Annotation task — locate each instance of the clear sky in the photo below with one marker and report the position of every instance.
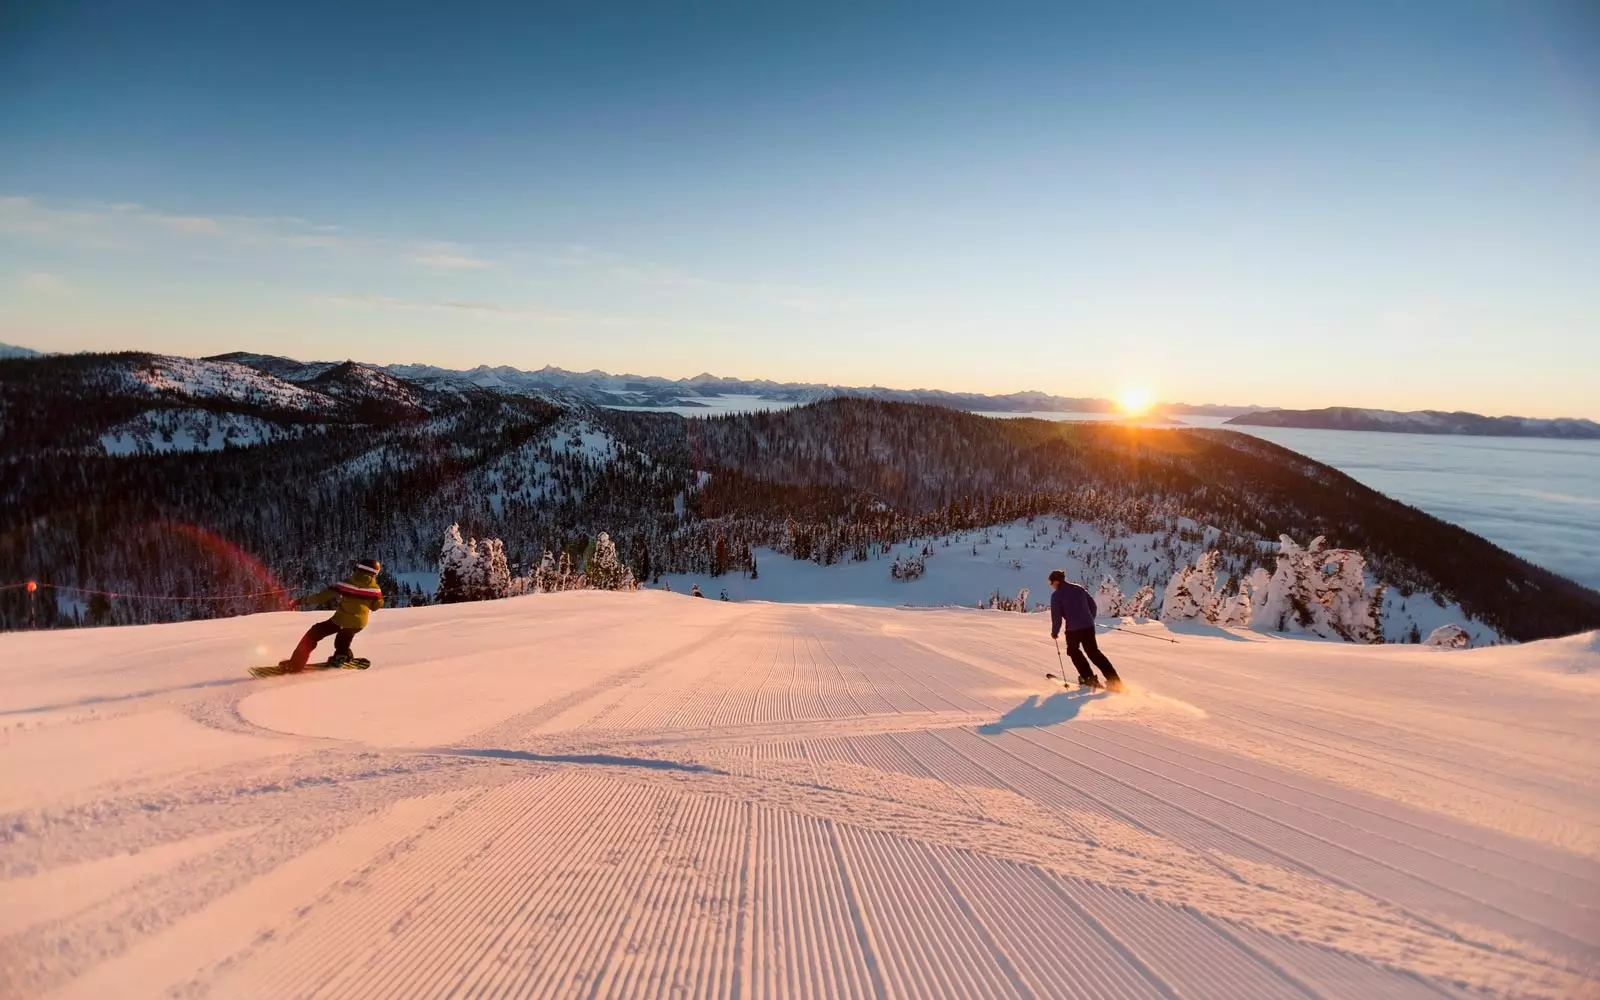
(1304, 204)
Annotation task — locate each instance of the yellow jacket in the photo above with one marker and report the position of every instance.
(358, 596)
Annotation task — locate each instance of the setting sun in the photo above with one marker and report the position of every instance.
(1134, 402)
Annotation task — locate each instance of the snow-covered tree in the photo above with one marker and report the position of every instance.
(1176, 604)
(604, 570)
(1290, 594)
(457, 567)
(544, 577)
(1237, 610)
(1192, 592)
(1108, 598)
(494, 574)
(1322, 592)
(1451, 636)
(1139, 605)
(1343, 593)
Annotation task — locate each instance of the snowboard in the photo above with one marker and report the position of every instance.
(278, 670)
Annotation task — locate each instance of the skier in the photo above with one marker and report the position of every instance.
(358, 596)
(694, 591)
(1074, 606)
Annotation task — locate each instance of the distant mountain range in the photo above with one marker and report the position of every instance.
(601, 388)
(329, 386)
(1345, 418)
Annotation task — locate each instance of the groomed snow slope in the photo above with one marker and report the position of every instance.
(639, 795)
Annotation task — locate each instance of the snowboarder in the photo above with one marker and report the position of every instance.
(1074, 606)
(358, 596)
(694, 591)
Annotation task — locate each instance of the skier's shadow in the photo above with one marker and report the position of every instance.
(1033, 713)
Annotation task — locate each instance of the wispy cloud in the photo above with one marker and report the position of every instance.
(44, 283)
(483, 310)
(498, 312)
(651, 273)
(451, 258)
(132, 227)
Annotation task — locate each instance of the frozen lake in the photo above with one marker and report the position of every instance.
(1536, 497)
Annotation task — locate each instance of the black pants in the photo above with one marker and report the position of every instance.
(1081, 641)
(319, 632)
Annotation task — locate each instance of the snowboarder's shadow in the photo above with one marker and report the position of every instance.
(1033, 713)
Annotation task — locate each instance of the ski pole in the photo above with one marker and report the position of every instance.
(1145, 635)
(1059, 661)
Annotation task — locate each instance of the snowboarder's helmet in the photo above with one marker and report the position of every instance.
(369, 566)
(1056, 576)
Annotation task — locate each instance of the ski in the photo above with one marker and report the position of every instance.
(279, 670)
(1080, 686)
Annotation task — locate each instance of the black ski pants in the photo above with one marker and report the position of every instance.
(1081, 641)
(317, 633)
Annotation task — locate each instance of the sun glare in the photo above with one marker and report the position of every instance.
(1134, 402)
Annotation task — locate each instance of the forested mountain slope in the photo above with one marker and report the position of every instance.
(117, 478)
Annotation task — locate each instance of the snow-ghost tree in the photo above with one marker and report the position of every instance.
(1108, 598)
(1138, 606)
(1288, 605)
(1192, 591)
(1237, 610)
(1176, 603)
(1353, 612)
(1321, 592)
(1451, 636)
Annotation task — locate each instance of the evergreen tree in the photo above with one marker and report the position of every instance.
(494, 574)
(457, 568)
(604, 570)
(1108, 598)
(1139, 605)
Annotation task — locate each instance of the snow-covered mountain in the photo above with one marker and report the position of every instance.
(645, 795)
(13, 351)
(1345, 418)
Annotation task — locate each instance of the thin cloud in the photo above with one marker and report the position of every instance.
(451, 260)
(650, 273)
(496, 312)
(486, 310)
(129, 226)
(44, 283)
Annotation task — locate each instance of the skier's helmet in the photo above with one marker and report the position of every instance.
(372, 566)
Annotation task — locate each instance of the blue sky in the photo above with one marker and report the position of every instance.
(1371, 204)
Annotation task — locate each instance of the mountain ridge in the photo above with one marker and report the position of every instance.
(602, 388)
(1455, 422)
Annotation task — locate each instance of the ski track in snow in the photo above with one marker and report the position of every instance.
(637, 795)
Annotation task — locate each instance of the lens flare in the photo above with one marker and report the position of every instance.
(1134, 402)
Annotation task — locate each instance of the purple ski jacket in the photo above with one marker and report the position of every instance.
(1074, 605)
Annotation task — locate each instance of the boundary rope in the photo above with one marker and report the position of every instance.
(35, 585)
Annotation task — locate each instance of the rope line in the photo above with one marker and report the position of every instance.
(152, 597)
